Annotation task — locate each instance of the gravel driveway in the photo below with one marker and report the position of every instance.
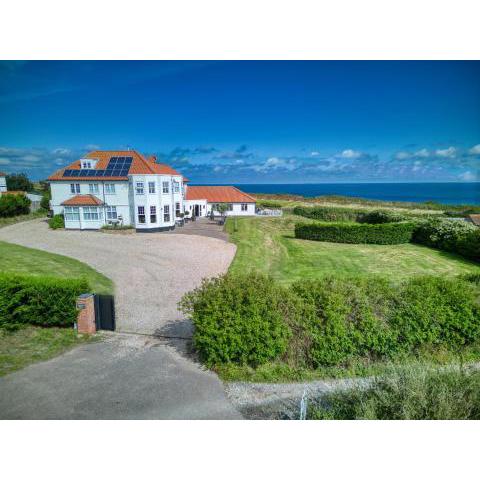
(151, 271)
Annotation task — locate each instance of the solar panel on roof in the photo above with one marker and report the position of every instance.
(67, 173)
(75, 173)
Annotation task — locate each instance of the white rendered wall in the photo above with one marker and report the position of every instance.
(3, 184)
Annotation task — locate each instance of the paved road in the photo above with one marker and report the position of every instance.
(122, 377)
(151, 271)
(126, 376)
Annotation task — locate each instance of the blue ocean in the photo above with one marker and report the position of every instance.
(446, 193)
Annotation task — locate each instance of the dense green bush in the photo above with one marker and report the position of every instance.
(449, 235)
(57, 221)
(249, 320)
(12, 205)
(241, 319)
(343, 232)
(45, 202)
(19, 182)
(381, 216)
(269, 204)
(329, 214)
(42, 301)
(407, 394)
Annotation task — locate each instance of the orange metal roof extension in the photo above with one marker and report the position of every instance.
(13, 192)
(3, 174)
(475, 218)
(219, 195)
(140, 165)
(83, 201)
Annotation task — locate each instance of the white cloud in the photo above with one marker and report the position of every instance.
(402, 155)
(276, 163)
(475, 150)
(449, 152)
(349, 153)
(4, 161)
(467, 176)
(314, 154)
(423, 153)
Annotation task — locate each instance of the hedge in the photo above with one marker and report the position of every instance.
(449, 235)
(42, 301)
(381, 216)
(329, 214)
(57, 221)
(12, 205)
(249, 319)
(382, 234)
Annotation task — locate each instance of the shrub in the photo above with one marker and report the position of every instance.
(268, 204)
(381, 216)
(383, 234)
(241, 319)
(345, 318)
(45, 201)
(42, 301)
(329, 214)
(408, 394)
(12, 205)
(436, 311)
(449, 235)
(57, 221)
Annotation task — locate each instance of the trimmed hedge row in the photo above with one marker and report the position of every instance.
(12, 205)
(329, 214)
(247, 319)
(42, 301)
(449, 235)
(382, 234)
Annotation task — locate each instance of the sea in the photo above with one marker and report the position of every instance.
(465, 193)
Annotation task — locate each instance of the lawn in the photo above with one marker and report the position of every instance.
(17, 259)
(268, 245)
(33, 344)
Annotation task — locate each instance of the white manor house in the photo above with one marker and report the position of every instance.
(127, 188)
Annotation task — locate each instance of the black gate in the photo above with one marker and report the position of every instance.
(104, 312)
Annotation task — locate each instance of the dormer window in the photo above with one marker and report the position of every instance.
(87, 163)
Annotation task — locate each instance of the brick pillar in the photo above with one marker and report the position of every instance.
(86, 314)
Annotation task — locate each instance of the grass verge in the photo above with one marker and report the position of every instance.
(34, 344)
(23, 260)
(5, 221)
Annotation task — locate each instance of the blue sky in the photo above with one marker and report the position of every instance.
(248, 122)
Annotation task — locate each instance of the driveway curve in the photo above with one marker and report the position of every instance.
(151, 271)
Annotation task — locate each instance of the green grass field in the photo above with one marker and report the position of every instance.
(268, 245)
(17, 259)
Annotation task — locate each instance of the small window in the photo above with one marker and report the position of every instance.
(177, 209)
(93, 187)
(229, 207)
(151, 187)
(139, 188)
(111, 213)
(166, 213)
(75, 188)
(153, 214)
(86, 164)
(110, 188)
(72, 214)
(141, 214)
(90, 213)
(176, 187)
(165, 187)
(244, 207)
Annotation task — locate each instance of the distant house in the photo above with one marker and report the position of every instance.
(475, 219)
(3, 182)
(125, 187)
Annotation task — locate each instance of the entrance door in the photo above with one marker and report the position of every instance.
(197, 210)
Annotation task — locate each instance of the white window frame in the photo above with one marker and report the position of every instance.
(141, 213)
(244, 207)
(91, 214)
(177, 209)
(166, 213)
(166, 187)
(151, 187)
(153, 214)
(139, 188)
(110, 188)
(72, 214)
(93, 188)
(86, 164)
(74, 188)
(176, 186)
(111, 212)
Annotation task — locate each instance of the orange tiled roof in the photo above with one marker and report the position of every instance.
(83, 200)
(3, 174)
(140, 165)
(13, 192)
(218, 195)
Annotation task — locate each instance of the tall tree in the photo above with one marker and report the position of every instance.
(19, 181)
